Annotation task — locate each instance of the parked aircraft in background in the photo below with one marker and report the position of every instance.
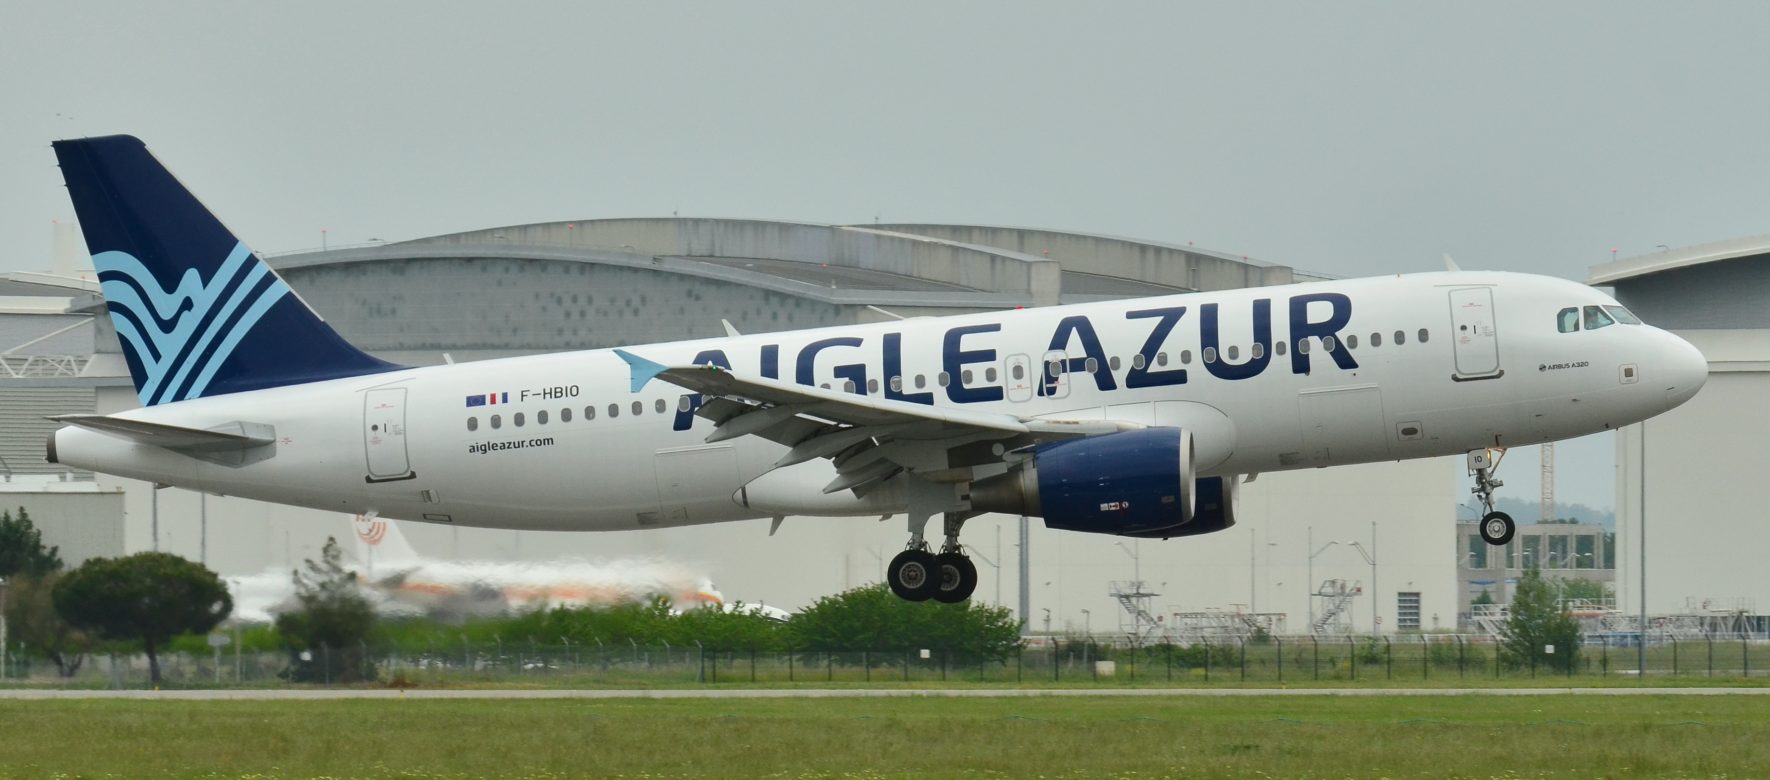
(401, 582)
(1137, 417)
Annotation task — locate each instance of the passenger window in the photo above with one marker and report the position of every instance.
(1137, 361)
(896, 384)
(989, 374)
(1114, 362)
(517, 419)
(1327, 343)
(1303, 347)
(1278, 348)
(1161, 358)
(658, 406)
(1210, 354)
(614, 410)
(473, 423)
(1257, 351)
(1425, 335)
(921, 382)
(847, 385)
(1186, 357)
(1567, 320)
(541, 417)
(684, 404)
(1352, 342)
(1623, 315)
(1376, 340)
(943, 379)
(1400, 338)
(638, 408)
(565, 415)
(1234, 352)
(1092, 366)
(965, 377)
(497, 422)
(1596, 318)
(872, 386)
(1019, 371)
(589, 413)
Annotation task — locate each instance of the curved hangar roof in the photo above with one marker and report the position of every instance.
(592, 283)
(1719, 286)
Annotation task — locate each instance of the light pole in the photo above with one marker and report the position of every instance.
(1311, 583)
(1136, 553)
(2, 628)
(1370, 557)
(1088, 624)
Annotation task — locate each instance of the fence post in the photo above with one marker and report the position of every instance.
(943, 664)
(752, 664)
(1055, 675)
(1315, 661)
(1279, 641)
(1674, 656)
(830, 667)
(700, 672)
(1745, 655)
(1711, 643)
(790, 677)
(866, 664)
(361, 643)
(1388, 659)
(1168, 659)
(1425, 658)
(326, 658)
(1496, 660)
(1352, 655)
(1019, 658)
(1207, 661)
(1462, 660)
(1244, 658)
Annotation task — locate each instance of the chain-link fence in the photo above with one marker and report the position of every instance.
(1448, 659)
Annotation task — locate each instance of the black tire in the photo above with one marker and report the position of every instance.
(913, 575)
(1497, 528)
(958, 577)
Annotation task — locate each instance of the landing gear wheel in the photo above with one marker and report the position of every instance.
(1497, 528)
(913, 575)
(958, 577)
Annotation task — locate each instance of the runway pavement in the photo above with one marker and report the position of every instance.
(328, 694)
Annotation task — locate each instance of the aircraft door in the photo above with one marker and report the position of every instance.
(384, 434)
(1019, 379)
(1051, 373)
(1474, 335)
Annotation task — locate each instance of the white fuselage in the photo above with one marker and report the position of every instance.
(1417, 366)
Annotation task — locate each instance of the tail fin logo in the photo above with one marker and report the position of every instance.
(181, 337)
(370, 531)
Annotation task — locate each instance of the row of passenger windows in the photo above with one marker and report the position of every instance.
(1568, 320)
(520, 419)
(1015, 371)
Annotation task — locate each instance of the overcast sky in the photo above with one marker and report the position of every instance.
(1346, 138)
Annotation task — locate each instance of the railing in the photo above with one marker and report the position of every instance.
(1411, 659)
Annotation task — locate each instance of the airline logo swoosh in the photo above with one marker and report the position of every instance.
(182, 336)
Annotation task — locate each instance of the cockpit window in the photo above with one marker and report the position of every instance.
(1568, 319)
(1596, 318)
(1623, 315)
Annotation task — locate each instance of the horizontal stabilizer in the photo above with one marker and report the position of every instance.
(232, 437)
(643, 370)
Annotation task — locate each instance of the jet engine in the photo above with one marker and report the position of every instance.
(1135, 483)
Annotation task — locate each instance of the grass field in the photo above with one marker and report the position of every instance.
(1290, 737)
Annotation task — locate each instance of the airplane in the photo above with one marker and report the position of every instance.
(401, 582)
(1136, 418)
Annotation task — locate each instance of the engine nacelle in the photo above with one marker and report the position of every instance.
(1214, 502)
(1135, 483)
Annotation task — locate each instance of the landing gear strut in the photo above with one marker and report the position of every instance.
(1497, 527)
(919, 575)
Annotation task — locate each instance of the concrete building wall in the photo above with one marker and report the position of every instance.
(1722, 295)
(81, 518)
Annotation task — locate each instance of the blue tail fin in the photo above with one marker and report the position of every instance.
(198, 314)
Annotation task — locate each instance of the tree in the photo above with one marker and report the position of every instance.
(326, 636)
(1588, 590)
(150, 596)
(21, 548)
(32, 620)
(1537, 622)
(871, 618)
(1485, 598)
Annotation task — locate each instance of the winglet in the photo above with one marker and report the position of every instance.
(730, 329)
(643, 370)
(1449, 264)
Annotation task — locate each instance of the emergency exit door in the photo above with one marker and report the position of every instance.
(384, 434)
(1473, 332)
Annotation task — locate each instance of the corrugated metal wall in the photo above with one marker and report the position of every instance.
(24, 427)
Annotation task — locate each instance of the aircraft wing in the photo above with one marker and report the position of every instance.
(870, 439)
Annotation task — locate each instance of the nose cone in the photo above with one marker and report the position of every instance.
(1684, 369)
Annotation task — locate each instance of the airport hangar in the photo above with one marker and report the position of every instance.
(597, 283)
(1695, 469)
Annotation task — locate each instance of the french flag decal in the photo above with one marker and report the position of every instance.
(489, 399)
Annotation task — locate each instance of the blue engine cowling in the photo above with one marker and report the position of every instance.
(1136, 483)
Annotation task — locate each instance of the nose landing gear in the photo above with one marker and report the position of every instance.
(919, 575)
(1497, 527)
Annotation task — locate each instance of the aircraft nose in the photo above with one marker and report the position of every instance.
(1685, 370)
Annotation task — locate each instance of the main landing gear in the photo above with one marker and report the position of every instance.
(919, 575)
(1497, 527)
